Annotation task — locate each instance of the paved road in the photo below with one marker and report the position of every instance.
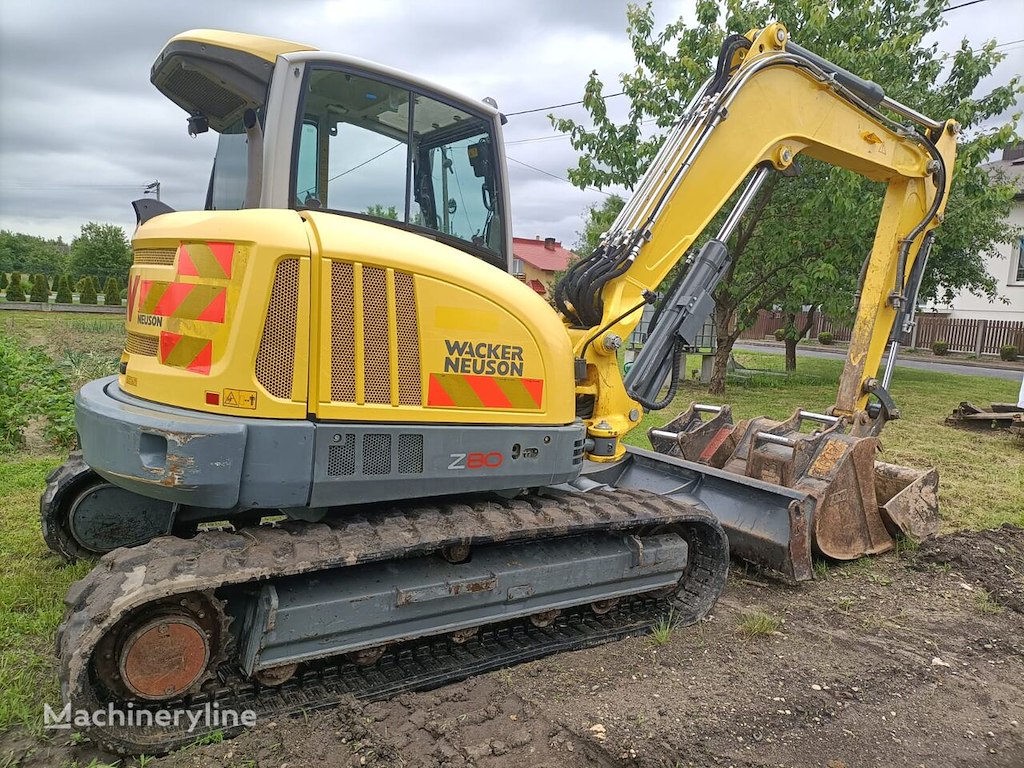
(905, 361)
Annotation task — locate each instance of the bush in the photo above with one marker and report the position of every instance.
(3, 281)
(63, 290)
(87, 294)
(1008, 353)
(112, 293)
(40, 290)
(15, 291)
(940, 347)
(825, 338)
(780, 334)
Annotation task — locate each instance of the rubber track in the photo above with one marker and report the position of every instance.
(127, 579)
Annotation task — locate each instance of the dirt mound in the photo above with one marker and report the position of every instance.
(993, 559)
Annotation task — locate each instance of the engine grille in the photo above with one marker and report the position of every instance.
(140, 344)
(275, 360)
(379, 453)
(387, 340)
(155, 256)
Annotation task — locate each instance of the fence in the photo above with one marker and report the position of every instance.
(769, 322)
(977, 337)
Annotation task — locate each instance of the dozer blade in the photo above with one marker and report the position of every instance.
(847, 504)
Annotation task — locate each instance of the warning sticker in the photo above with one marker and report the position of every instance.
(239, 398)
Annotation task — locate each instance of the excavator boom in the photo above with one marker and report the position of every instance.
(769, 102)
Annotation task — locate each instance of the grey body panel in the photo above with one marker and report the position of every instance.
(357, 463)
(193, 458)
(233, 462)
(298, 619)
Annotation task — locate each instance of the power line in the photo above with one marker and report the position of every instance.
(73, 186)
(963, 5)
(534, 139)
(559, 106)
(366, 162)
(623, 93)
(1012, 42)
(554, 176)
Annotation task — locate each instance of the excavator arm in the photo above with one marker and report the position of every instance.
(768, 102)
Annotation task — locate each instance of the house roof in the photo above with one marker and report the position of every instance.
(1011, 166)
(545, 254)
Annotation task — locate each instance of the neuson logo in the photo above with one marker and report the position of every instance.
(211, 716)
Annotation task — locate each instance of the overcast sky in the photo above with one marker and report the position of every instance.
(82, 130)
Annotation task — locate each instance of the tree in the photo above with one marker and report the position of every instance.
(597, 220)
(40, 290)
(31, 254)
(3, 281)
(804, 239)
(102, 250)
(382, 212)
(15, 291)
(87, 294)
(112, 293)
(63, 290)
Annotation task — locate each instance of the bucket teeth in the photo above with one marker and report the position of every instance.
(851, 505)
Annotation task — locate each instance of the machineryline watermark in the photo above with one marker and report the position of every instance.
(209, 716)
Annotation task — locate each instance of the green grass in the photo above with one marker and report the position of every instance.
(984, 603)
(45, 358)
(758, 624)
(661, 632)
(981, 474)
(31, 596)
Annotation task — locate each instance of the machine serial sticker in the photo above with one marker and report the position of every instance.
(831, 453)
(239, 398)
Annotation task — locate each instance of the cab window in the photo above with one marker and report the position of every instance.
(379, 149)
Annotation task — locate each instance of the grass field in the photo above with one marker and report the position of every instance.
(982, 475)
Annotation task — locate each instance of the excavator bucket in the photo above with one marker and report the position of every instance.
(848, 506)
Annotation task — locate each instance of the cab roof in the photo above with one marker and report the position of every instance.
(218, 74)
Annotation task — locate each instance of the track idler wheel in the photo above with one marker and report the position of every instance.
(164, 651)
(83, 516)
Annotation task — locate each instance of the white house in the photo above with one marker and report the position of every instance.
(1008, 270)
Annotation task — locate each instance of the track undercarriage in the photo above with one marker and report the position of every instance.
(294, 616)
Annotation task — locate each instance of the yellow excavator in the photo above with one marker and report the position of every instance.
(416, 463)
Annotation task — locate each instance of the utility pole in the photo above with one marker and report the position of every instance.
(153, 188)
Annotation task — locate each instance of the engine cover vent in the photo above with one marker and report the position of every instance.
(377, 331)
(377, 454)
(163, 257)
(275, 361)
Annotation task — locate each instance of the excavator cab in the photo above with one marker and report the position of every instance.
(341, 135)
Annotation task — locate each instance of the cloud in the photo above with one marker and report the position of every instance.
(83, 130)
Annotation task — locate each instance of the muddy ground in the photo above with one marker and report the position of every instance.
(908, 660)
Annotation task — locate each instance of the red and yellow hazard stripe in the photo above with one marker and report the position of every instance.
(456, 390)
(184, 301)
(188, 352)
(208, 260)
